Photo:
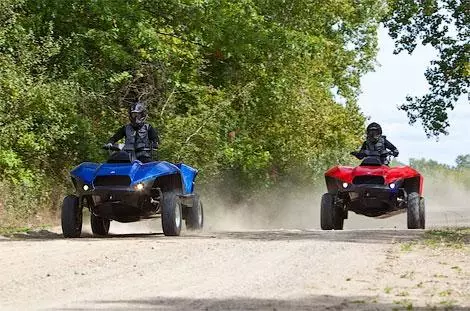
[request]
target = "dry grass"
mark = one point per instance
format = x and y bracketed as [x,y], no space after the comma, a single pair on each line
[447,237]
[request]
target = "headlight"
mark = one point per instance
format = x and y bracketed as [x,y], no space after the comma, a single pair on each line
[345,185]
[86,187]
[139,187]
[392,185]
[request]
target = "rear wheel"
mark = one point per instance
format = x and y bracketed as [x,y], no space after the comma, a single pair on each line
[195,215]
[331,215]
[71,217]
[415,211]
[99,225]
[422,214]
[172,216]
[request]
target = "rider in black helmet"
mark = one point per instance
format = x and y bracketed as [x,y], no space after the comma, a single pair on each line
[138,134]
[375,141]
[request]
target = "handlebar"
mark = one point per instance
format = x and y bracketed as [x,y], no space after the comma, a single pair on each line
[111,148]
[116,148]
[367,153]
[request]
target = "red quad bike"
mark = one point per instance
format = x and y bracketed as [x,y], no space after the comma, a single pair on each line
[372,189]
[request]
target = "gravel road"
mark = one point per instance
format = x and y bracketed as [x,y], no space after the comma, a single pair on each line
[371,265]
[245,270]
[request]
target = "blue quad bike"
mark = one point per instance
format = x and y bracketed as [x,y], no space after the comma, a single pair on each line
[126,190]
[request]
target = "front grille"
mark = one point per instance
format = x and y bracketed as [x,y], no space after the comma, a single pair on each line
[368,180]
[118,180]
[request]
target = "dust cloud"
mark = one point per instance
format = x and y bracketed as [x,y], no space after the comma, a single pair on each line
[447,201]
[447,204]
[141,227]
[286,208]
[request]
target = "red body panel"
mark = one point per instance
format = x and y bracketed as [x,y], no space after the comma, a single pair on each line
[391,174]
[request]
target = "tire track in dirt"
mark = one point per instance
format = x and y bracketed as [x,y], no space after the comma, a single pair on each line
[245,270]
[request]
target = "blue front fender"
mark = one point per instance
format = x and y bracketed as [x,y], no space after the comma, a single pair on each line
[85,172]
[157,169]
[188,175]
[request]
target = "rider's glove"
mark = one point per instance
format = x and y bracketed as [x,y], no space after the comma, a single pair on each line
[395,153]
[358,155]
[108,145]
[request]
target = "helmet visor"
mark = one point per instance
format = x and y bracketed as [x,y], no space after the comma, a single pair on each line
[373,134]
[137,117]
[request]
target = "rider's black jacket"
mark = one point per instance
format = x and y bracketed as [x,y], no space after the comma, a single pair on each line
[143,136]
[381,146]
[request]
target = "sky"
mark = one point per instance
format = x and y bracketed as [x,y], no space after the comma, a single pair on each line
[395,77]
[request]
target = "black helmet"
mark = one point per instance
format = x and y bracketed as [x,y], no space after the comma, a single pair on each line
[137,113]
[374,132]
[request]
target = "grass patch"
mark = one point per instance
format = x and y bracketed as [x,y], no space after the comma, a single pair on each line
[437,238]
[13,230]
[406,303]
[448,303]
[6,231]
[387,290]
[447,237]
[407,246]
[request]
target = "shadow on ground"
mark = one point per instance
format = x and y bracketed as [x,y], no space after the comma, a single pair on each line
[373,236]
[240,303]
[354,236]
[46,235]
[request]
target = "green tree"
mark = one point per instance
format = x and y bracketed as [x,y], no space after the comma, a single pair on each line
[445,25]
[242,90]
[463,161]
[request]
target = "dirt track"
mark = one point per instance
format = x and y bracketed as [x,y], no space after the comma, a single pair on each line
[248,270]
[383,267]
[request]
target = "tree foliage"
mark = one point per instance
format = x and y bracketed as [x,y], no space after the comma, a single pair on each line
[244,90]
[444,25]
[463,161]
[435,173]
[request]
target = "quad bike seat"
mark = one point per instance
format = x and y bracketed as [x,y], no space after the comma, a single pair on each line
[371,161]
[119,157]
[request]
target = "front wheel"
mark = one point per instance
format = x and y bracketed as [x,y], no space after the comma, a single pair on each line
[172,216]
[99,225]
[415,211]
[331,216]
[195,215]
[71,217]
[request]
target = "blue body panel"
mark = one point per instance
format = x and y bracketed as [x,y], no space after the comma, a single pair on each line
[85,172]
[189,174]
[137,171]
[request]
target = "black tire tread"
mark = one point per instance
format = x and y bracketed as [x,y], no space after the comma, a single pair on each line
[413,219]
[169,202]
[422,214]
[326,211]
[71,217]
[99,225]
[192,216]
[331,216]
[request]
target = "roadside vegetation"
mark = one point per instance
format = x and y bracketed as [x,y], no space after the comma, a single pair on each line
[254,93]
[447,237]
